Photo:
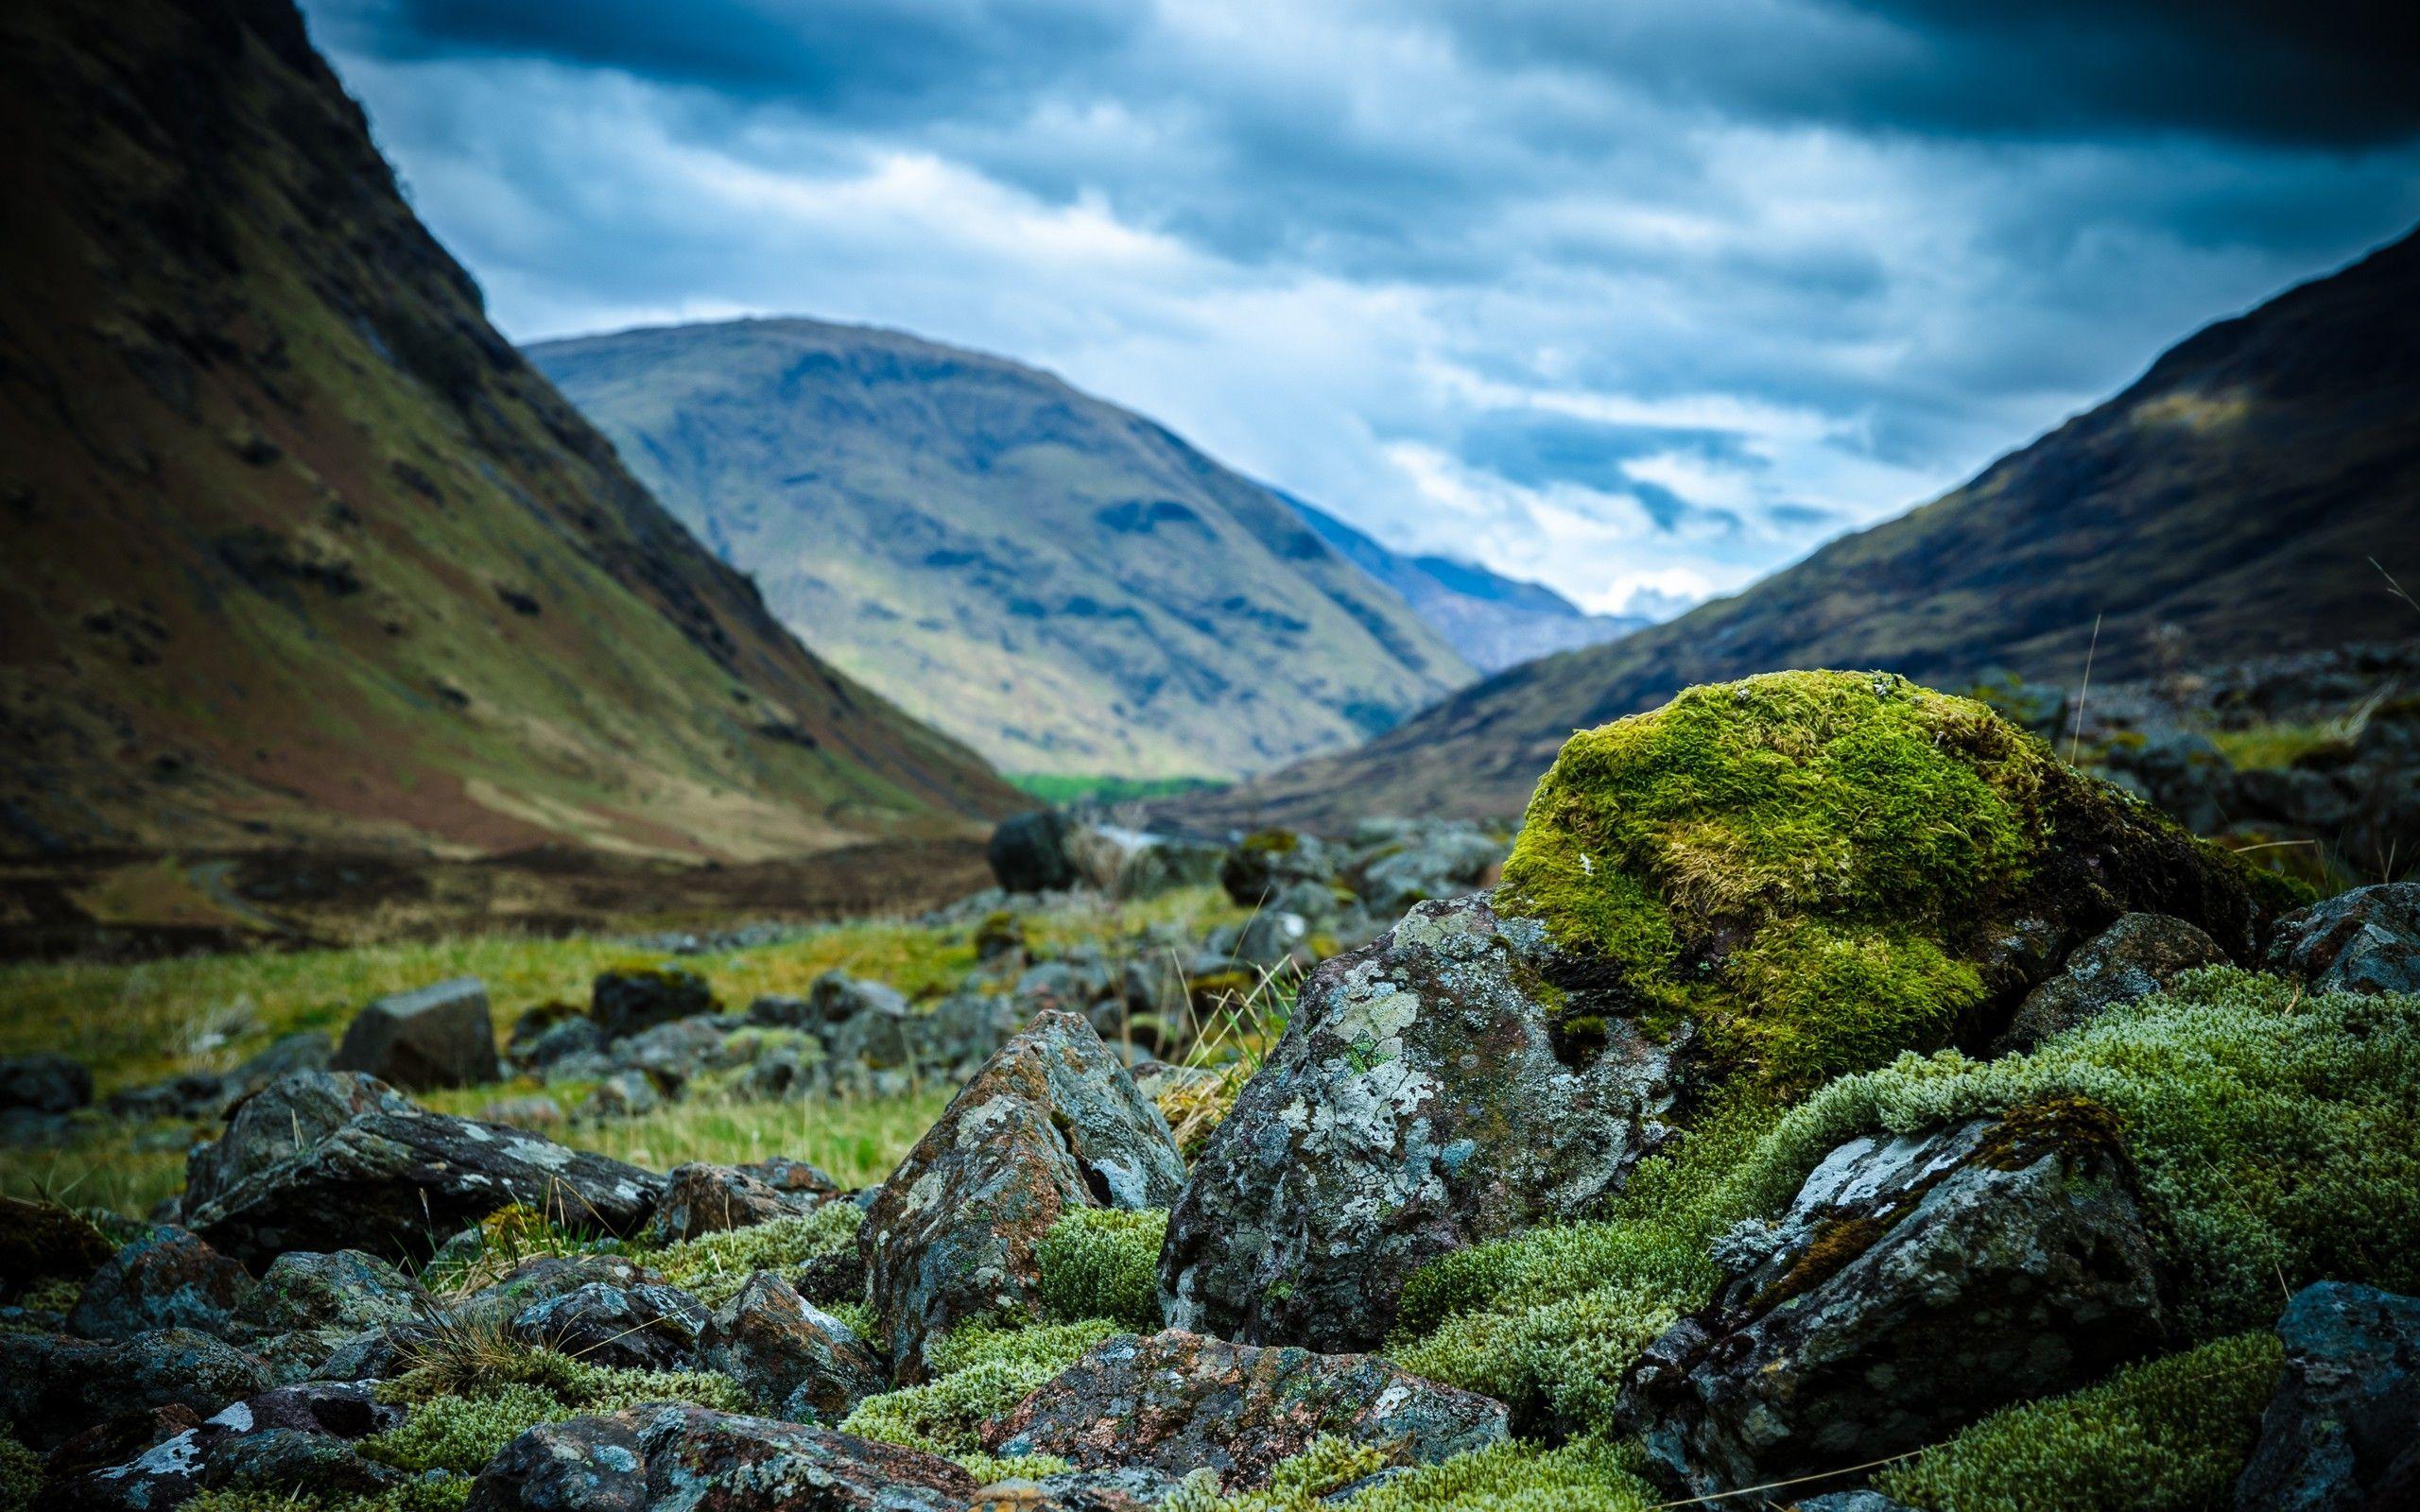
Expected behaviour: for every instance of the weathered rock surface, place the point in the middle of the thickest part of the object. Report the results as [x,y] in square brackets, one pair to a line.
[798,1362]
[2132,958]
[308,1305]
[165,1279]
[648,1326]
[440,1035]
[1266,862]
[2366,940]
[1914,1285]
[1422,1100]
[52,1386]
[628,1002]
[393,1179]
[214,1094]
[290,1438]
[1052,1122]
[1177,1401]
[705,1199]
[288,1115]
[2343,1433]
[1029,852]
[691,1459]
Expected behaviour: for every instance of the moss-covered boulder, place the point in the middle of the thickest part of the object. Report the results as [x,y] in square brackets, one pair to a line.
[1824,868]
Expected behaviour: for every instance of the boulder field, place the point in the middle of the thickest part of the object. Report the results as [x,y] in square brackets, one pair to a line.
[1837,1097]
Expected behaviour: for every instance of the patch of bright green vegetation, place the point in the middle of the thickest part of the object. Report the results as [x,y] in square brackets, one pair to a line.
[1102,1262]
[1585,1475]
[2168,1436]
[435,1493]
[2269,747]
[979,1373]
[1070,787]
[713,1267]
[2277,1138]
[1805,864]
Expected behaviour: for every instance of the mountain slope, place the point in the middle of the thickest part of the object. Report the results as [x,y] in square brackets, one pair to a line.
[294,548]
[1064,585]
[2237,493]
[1494,620]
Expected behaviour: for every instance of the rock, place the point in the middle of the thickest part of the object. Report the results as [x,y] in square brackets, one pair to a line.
[962,1030]
[649,1326]
[2366,940]
[2132,958]
[291,1437]
[40,1241]
[308,1305]
[836,997]
[798,1362]
[694,1459]
[673,1055]
[166,1280]
[135,1462]
[1130,864]
[792,1177]
[551,1275]
[1117,1488]
[586,1465]
[44,1083]
[277,1459]
[395,1179]
[1052,1122]
[1445,861]
[533,1110]
[52,1386]
[207,1094]
[1914,1285]
[879,1038]
[705,1199]
[1029,853]
[439,1036]
[1266,862]
[563,1042]
[626,1001]
[2343,1433]
[1423,1098]
[283,1119]
[1851,1501]
[623,1095]
[1176,1402]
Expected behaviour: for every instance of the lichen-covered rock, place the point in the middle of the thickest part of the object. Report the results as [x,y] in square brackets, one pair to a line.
[551,1275]
[648,1326]
[1029,852]
[795,1359]
[2366,940]
[214,1095]
[1421,862]
[674,1055]
[706,1199]
[1818,869]
[1423,1097]
[2133,958]
[2343,1433]
[44,1083]
[1052,1122]
[291,1437]
[52,1386]
[1178,1401]
[288,1115]
[145,1460]
[1269,862]
[634,998]
[440,1035]
[623,1095]
[693,1459]
[166,1280]
[397,1180]
[1913,1285]
[1128,864]
[962,1030]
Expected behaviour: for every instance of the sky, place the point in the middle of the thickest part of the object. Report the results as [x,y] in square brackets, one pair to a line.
[1641,299]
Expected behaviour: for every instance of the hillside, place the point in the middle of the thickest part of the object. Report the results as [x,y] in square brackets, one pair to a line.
[296,550]
[1494,620]
[2237,493]
[1064,585]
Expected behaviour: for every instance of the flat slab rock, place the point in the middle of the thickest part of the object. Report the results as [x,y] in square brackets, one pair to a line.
[1178,1401]
[1419,1102]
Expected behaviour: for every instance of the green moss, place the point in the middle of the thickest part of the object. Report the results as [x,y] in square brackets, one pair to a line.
[21,1475]
[1022,1467]
[713,1268]
[1586,1475]
[1102,1262]
[980,1372]
[464,1434]
[2168,1436]
[435,1493]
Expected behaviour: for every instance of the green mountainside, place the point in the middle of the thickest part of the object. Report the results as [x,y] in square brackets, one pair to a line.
[1065,586]
[2229,503]
[296,549]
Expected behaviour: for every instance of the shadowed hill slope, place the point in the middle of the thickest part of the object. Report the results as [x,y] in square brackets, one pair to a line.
[296,549]
[1062,584]
[2228,504]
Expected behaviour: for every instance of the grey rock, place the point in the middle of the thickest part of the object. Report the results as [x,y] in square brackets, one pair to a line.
[1421,1100]
[44,1083]
[697,1458]
[52,1386]
[586,1465]
[531,1110]
[1052,1122]
[1266,864]
[277,1460]
[648,1326]
[551,1275]
[308,1305]
[1914,1285]
[836,997]
[2366,940]
[440,1035]
[1852,1501]
[1130,864]
[2132,958]
[560,1043]
[704,1199]
[168,1279]
[207,1094]
[284,1118]
[1177,1401]
[627,1003]
[1029,852]
[962,1030]
[796,1360]
[623,1095]
[2343,1433]
[673,1055]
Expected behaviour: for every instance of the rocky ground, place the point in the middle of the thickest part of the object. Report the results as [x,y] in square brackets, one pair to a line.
[1831,1099]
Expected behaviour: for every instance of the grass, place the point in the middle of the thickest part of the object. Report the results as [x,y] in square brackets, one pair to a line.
[1069,787]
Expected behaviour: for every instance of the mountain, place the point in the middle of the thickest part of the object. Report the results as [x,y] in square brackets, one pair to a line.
[2229,503]
[1065,586]
[1494,620]
[296,549]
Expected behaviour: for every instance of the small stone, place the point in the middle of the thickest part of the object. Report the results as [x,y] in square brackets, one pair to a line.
[2366,940]
[440,1035]
[166,1280]
[2134,958]
[626,1002]
[796,1360]
[648,1326]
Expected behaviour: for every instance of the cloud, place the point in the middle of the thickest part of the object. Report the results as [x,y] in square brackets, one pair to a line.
[1636,299]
